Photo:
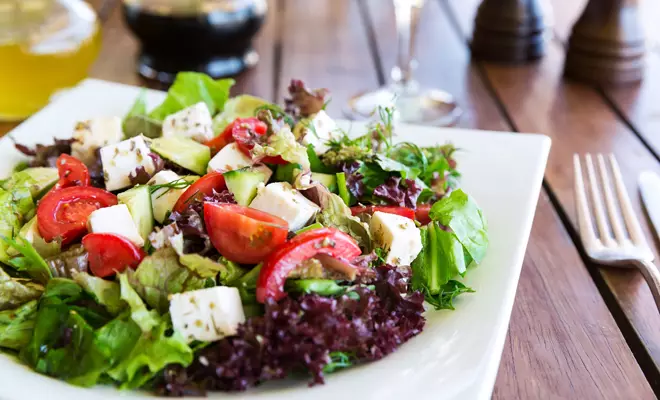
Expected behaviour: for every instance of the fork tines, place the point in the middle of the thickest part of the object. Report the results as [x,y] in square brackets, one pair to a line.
[614,216]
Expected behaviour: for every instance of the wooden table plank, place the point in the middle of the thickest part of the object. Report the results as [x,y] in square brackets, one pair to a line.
[563,341]
[577,118]
[638,104]
[325,44]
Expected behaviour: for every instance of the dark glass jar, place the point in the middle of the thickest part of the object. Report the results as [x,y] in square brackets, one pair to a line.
[210,36]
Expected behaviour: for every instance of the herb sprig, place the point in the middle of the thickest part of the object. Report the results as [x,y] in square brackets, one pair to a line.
[180,183]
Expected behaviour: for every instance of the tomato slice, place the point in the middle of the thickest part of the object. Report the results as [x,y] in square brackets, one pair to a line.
[62,214]
[281,262]
[243,234]
[72,172]
[110,253]
[204,186]
[402,211]
[422,213]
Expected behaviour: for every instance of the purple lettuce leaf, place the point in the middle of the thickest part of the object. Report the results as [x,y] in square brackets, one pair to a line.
[304,102]
[395,191]
[302,333]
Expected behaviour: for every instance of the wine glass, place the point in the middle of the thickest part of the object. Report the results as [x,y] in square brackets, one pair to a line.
[412,103]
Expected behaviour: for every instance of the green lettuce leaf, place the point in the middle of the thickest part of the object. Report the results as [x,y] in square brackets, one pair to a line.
[16,208]
[160,275]
[390,165]
[117,338]
[16,326]
[106,293]
[226,271]
[31,262]
[62,343]
[339,360]
[144,318]
[139,107]
[462,215]
[151,353]
[190,88]
[137,121]
[37,180]
[242,106]
[444,299]
[336,214]
[323,287]
[15,292]
[442,259]
[283,143]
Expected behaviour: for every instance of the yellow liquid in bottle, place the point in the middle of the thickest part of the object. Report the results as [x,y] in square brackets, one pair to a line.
[51,50]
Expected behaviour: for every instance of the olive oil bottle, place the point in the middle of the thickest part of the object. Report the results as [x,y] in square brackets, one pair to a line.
[45,46]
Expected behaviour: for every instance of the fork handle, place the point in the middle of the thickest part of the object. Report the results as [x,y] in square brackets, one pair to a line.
[652,276]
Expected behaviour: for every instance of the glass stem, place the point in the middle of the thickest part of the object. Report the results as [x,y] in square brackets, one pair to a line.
[407,14]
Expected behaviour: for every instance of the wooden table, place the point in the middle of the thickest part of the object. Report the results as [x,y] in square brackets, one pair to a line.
[577,330]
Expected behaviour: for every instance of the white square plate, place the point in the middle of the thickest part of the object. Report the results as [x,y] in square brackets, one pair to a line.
[457,354]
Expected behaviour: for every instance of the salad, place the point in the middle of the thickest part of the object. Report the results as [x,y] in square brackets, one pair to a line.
[216,243]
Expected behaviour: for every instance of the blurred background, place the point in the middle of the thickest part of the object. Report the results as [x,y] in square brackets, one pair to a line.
[48,45]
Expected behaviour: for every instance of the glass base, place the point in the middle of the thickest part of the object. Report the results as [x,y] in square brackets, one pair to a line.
[164,70]
[412,105]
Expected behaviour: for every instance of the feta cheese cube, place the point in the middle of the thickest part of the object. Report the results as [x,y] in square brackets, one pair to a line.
[229,158]
[398,236]
[194,122]
[93,134]
[164,199]
[321,128]
[120,159]
[282,200]
[167,236]
[207,314]
[117,220]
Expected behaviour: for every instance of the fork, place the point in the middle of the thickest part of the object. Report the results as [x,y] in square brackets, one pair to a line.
[618,241]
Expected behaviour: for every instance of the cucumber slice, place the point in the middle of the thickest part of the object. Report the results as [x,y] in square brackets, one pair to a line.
[185,152]
[329,181]
[243,183]
[138,201]
[286,172]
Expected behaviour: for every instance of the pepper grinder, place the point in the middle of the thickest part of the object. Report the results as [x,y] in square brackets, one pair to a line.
[607,45]
[511,31]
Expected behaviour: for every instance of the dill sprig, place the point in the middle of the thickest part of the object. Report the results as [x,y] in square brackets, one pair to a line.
[180,183]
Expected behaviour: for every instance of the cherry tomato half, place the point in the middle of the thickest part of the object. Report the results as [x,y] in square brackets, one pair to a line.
[402,211]
[243,234]
[281,262]
[204,186]
[62,214]
[422,213]
[217,143]
[246,132]
[110,253]
[72,172]
[243,131]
